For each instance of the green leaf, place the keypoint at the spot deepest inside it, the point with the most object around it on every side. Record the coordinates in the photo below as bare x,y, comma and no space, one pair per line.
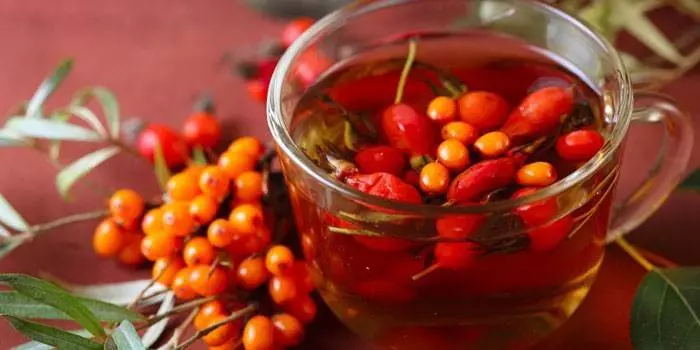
70,174
15,304
4,232
47,87
10,217
90,118
692,182
51,130
126,338
632,17
120,293
198,156
108,102
33,345
50,294
160,167
7,246
61,116
11,138
665,310
154,332
51,336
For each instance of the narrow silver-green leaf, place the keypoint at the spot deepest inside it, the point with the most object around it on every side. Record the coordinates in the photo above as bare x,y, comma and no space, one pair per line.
4,232
90,118
47,87
11,138
70,174
15,304
631,16
52,295
108,102
51,336
61,116
154,332
33,345
198,156
7,246
10,217
120,293
160,167
126,338
51,130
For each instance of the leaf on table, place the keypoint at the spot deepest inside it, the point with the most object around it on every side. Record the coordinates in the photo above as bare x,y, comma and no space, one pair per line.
108,102
52,295
51,336
692,182
665,310
70,174
154,332
86,115
47,87
198,156
11,138
160,167
126,338
120,293
33,345
10,217
51,130
15,304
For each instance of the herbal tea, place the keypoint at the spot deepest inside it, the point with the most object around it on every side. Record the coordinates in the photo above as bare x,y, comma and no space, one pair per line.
453,121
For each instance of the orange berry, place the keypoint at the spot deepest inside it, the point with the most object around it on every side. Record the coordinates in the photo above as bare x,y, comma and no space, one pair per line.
259,334
220,233
492,144
246,218
460,131
279,259
303,308
442,109
247,145
198,251
195,170
214,182
109,238
207,312
165,269
249,186
131,253
234,164
251,273
177,219
207,284
282,289
536,174
126,206
181,285
482,109
453,154
288,330
152,222
231,344
203,209
434,178
160,245
303,277
221,334
182,187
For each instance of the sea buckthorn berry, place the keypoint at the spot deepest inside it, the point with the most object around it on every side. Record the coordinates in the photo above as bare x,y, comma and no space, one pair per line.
152,222
380,159
295,29
244,245
235,164
177,219
207,312
548,237
537,213
251,273
303,308
109,238
259,334
201,129
160,245
434,178
165,269
492,144
220,233
198,251
126,206
182,187
249,186
538,174
207,282
247,145
194,170
203,209
460,131
231,344
456,255
214,182
181,285
579,145
220,334
131,253
279,260
453,154
442,109
288,330
483,110
282,289
246,218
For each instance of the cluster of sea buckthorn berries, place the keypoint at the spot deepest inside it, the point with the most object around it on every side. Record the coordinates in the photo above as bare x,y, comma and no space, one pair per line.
199,248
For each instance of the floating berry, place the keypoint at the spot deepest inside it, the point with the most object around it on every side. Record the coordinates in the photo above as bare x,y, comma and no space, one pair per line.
220,233
483,110
251,273
182,187
434,178
453,154
152,222
177,219
214,182
165,269
380,159
198,251
249,186
126,206
492,144
160,245
220,334
548,237
279,260
385,291
181,286
259,334
458,226
234,164
538,114
247,145
460,131
579,145
408,130
207,312
295,29
480,179
202,129
173,146
537,213
385,244
246,218
303,308
442,109
282,289
288,330
207,281
109,238
203,209
456,255
539,174
386,186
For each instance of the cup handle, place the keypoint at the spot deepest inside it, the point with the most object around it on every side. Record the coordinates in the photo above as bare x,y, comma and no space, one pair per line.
668,168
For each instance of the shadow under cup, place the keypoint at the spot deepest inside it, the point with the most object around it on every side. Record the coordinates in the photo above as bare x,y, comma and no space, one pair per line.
506,300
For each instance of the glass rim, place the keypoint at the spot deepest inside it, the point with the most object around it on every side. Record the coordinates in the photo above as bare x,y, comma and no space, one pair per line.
286,144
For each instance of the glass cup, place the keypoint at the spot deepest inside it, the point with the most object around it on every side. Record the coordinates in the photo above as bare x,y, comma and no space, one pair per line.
509,299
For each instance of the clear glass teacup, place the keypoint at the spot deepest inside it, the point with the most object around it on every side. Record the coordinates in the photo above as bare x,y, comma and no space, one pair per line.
515,293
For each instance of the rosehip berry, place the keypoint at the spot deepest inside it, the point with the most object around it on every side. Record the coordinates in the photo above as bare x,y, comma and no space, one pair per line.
109,238
295,29
126,206
202,129
257,89
235,164
408,130
539,174
288,330
456,255
458,226
173,146
220,334
434,178
246,218
251,273
160,245
539,113
259,334
385,244
303,308
249,186
482,109
207,284
181,286
480,179
214,182
537,213
247,145
177,219
453,154
380,159
548,237
411,177
207,312
152,222
220,233
198,251
442,109
282,289
165,269
182,187
460,131
579,145
492,144
203,209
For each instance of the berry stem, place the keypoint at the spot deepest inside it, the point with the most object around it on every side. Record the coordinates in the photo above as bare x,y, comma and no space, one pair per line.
635,254
180,330
201,333
430,269
182,307
38,229
412,48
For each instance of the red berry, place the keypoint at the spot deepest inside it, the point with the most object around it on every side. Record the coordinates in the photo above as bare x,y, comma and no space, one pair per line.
537,213
456,255
482,109
295,29
408,130
380,159
579,145
173,146
547,237
202,129
458,226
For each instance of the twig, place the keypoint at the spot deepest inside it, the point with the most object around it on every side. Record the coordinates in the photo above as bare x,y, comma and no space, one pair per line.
148,286
35,230
182,307
180,330
234,316
124,147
